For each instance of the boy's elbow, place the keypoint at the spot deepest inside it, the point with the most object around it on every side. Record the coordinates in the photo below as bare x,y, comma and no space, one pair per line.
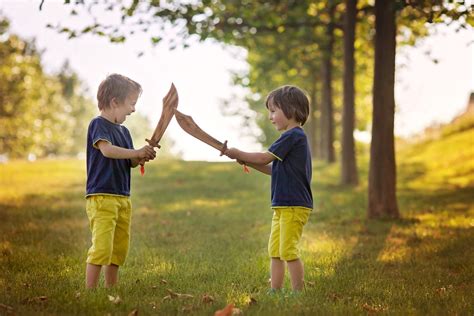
106,153
265,160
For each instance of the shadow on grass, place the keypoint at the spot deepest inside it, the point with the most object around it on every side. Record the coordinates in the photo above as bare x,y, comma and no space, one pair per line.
408,172
420,263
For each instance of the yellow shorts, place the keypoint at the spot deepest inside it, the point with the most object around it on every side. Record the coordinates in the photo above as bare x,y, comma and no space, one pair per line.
109,221
287,228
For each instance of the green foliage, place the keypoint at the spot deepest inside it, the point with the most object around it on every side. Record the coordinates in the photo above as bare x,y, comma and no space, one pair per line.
285,40
79,108
39,113
28,99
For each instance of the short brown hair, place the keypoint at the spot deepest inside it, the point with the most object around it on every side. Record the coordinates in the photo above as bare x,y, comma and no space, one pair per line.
292,101
116,86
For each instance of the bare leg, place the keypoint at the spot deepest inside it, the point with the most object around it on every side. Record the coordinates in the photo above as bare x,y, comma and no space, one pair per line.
111,275
277,268
92,275
296,269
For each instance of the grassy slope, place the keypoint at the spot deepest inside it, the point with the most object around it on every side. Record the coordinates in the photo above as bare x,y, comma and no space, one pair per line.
203,227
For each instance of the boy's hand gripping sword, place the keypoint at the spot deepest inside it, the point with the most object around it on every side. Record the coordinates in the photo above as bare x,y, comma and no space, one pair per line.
170,103
189,126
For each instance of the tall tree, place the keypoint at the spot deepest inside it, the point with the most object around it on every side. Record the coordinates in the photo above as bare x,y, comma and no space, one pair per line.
348,157
327,112
382,173
382,201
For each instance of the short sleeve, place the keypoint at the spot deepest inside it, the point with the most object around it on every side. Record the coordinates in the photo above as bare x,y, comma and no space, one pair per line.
98,131
282,146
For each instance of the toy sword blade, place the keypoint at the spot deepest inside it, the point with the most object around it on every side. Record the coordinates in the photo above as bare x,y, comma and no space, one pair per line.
170,103
189,126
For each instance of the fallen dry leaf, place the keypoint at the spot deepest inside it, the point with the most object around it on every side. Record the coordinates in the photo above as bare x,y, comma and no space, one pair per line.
173,294
441,290
115,300
334,297
373,308
39,299
309,283
206,298
163,281
133,312
188,308
7,309
226,311
236,311
153,305
7,252
179,295
77,295
249,300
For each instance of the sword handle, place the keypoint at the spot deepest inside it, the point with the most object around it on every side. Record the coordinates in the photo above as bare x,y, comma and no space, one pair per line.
224,148
152,143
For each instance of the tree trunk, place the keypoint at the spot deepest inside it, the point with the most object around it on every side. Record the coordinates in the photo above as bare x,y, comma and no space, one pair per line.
348,161
312,130
382,174
327,119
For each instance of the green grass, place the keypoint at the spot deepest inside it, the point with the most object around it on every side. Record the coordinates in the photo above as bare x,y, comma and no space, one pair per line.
201,228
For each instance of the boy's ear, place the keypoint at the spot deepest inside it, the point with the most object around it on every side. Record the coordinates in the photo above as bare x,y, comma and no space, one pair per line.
114,102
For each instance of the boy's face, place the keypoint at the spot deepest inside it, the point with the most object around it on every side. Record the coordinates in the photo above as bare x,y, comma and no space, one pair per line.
126,107
277,117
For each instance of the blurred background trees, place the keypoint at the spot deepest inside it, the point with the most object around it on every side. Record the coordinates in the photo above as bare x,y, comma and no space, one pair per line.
44,115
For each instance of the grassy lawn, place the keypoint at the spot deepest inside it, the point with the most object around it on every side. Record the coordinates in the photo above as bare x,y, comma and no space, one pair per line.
201,229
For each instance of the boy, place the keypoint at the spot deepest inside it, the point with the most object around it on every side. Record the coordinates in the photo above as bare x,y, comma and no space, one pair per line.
290,172
110,155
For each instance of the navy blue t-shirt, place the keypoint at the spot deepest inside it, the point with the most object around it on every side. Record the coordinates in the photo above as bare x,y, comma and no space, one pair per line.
291,171
106,175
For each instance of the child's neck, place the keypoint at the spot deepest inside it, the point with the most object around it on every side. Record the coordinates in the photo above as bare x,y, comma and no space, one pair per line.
292,125
108,115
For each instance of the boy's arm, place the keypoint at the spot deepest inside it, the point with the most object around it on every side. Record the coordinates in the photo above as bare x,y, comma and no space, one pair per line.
115,152
266,169
257,160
